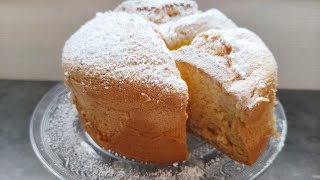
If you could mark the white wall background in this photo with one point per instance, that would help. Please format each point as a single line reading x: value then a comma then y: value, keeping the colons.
x: 32, y: 34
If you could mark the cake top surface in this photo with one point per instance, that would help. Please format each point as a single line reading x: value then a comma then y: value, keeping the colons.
x: 159, y: 11
x: 237, y: 58
x: 186, y: 28
x: 122, y: 47
x: 212, y: 17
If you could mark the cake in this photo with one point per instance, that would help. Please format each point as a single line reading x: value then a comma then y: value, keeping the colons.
x: 148, y: 72
x: 126, y: 87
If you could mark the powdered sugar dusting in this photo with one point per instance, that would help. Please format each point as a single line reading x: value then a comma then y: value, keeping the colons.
x: 159, y: 11
x: 241, y: 61
x: 124, y: 48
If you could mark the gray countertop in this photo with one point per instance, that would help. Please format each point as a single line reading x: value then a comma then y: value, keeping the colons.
x: 299, y: 159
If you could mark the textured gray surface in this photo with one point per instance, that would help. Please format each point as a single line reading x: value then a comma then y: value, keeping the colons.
x: 17, y: 101
x: 300, y: 158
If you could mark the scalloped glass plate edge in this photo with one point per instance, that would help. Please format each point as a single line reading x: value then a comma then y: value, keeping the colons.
x: 37, y: 114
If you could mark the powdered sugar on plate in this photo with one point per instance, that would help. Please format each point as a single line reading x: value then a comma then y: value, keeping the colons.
x: 66, y: 139
x: 59, y: 139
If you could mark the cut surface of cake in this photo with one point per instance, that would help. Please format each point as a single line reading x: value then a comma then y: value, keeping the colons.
x: 231, y: 77
x: 127, y: 89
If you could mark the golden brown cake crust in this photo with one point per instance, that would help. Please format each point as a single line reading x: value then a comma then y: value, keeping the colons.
x: 130, y: 123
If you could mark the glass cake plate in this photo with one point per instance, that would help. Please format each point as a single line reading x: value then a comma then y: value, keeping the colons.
x: 69, y: 153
